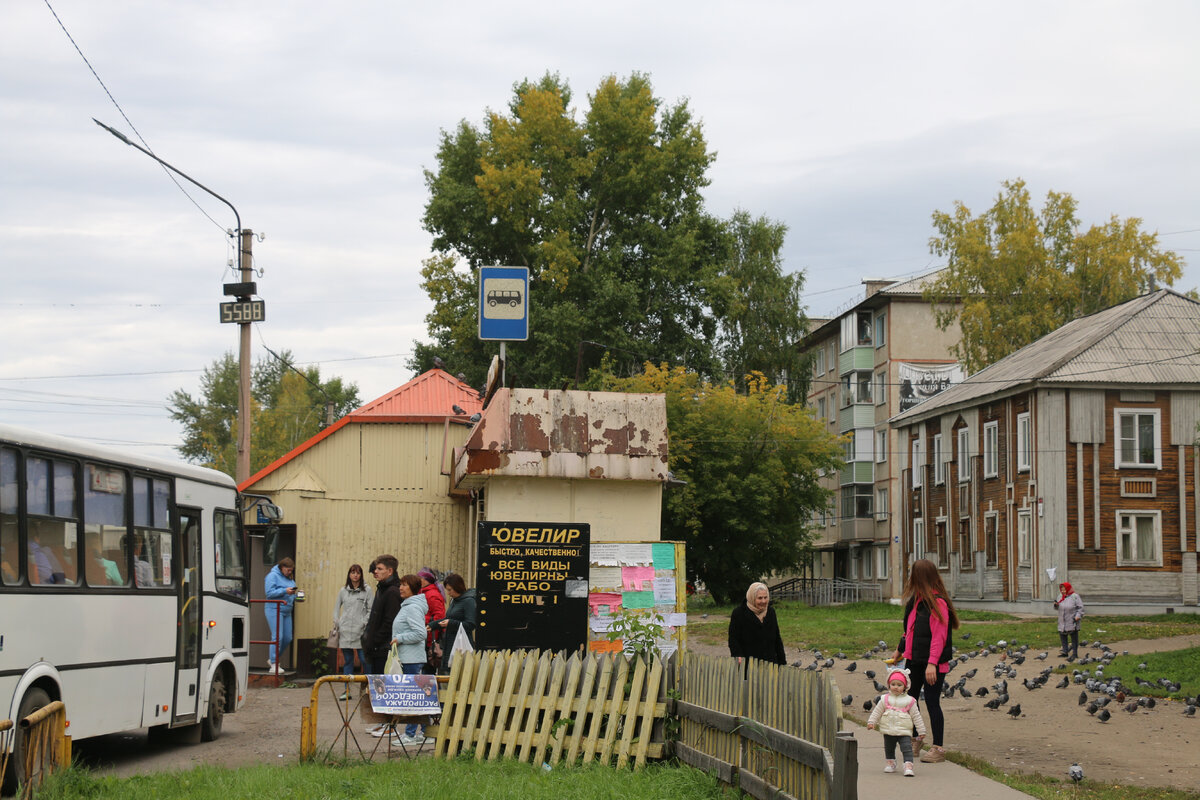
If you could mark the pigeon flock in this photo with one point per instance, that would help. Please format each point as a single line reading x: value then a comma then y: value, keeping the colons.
x: 1002, y: 660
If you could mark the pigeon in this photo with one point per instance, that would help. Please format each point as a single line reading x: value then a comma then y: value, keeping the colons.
x: 1082, y: 698
x: 868, y: 706
x: 994, y: 704
x: 1076, y: 772
x: 1043, y: 656
x: 828, y: 663
x: 1147, y: 702
x: 1104, y: 715
x: 1003, y: 698
x: 962, y: 690
x: 1190, y: 711
x: 1132, y: 707
x: 852, y: 666
x: 879, y: 687
x: 1015, y: 711
x: 1064, y: 683
x: 1092, y: 707
x: 870, y: 673
x: 1031, y: 685
x: 981, y: 691
x: 848, y: 699
x: 970, y: 673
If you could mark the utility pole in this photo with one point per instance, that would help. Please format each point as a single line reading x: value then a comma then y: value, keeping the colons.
x: 244, y: 409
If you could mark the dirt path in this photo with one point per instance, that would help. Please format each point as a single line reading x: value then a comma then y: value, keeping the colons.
x: 1149, y: 748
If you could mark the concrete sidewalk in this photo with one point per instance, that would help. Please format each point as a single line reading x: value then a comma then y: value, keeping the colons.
x: 931, y: 780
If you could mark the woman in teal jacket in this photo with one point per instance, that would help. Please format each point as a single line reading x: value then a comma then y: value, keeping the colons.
x: 408, y: 635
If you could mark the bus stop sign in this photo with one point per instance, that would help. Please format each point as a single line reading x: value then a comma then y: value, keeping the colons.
x: 504, y: 304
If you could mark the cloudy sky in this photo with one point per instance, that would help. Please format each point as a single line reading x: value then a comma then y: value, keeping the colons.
x: 849, y: 122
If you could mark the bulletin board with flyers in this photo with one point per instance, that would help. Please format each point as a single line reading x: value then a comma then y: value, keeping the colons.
x: 647, y: 578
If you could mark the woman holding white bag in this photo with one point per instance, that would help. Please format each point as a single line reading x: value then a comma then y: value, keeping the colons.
x: 462, y: 615
x: 408, y: 638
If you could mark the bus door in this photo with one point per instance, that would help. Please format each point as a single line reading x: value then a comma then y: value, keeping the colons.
x: 187, y: 644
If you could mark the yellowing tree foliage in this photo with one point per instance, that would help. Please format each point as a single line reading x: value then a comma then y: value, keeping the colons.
x: 1014, y: 274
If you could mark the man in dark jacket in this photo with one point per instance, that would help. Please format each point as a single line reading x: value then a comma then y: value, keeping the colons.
x: 378, y: 633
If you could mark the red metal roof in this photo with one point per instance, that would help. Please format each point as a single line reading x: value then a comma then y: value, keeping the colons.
x: 429, y: 397
x: 430, y: 394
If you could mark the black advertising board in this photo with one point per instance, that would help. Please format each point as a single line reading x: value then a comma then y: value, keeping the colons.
x: 532, y: 585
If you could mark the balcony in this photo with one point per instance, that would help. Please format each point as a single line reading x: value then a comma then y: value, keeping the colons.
x: 856, y: 529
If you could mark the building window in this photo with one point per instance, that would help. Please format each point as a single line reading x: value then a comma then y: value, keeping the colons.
x: 868, y: 559
x: 964, y: 454
x: 991, y: 532
x: 857, y: 501
x: 880, y: 387
x: 941, y: 542
x: 1024, y: 537
x: 881, y: 504
x: 916, y: 463
x: 1024, y: 442
x: 831, y: 362
x: 991, y: 448
x: 864, y: 328
x: 819, y: 363
x: 966, y: 548
x: 880, y: 329
x: 1139, y: 538
x: 918, y: 548
x: 820, y: 408
x: 881, y: 562
x: 881, y: 446
x: 1137, y: 436
x: 939, y: 464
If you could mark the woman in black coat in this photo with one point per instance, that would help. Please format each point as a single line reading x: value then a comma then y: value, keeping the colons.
x: 753, y: 629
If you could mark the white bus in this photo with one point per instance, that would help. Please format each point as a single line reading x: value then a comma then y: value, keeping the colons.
x: 122, y: 589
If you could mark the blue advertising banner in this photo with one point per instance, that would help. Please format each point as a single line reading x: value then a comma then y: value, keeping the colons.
x: 408, y: 695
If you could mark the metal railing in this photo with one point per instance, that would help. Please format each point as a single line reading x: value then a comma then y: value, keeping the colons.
x: 278, y: 613
x: 827, y: 591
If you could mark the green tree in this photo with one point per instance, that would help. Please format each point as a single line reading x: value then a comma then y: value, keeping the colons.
x: 750, y: 465
x: 606, y: 212
x: 287, y: 406
x: 1014, y: 274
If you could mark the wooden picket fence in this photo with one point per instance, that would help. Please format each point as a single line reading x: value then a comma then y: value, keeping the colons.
x: 773, y: 731
x: 540, y: 707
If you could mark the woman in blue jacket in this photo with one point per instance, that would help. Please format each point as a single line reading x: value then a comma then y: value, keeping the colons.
x: 280, y: 584
x: 408, y: 636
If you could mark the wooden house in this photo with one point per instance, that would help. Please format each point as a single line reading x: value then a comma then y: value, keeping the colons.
x: 1074, y: 458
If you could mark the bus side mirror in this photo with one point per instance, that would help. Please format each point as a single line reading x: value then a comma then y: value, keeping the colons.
x: 270, y: 545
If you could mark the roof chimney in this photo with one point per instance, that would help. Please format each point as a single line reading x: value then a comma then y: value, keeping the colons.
x: 875, y: 284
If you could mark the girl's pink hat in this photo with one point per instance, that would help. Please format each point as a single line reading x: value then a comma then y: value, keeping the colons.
x: 898, y: 674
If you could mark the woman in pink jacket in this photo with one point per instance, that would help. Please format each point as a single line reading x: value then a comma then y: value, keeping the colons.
x: 926, y: 644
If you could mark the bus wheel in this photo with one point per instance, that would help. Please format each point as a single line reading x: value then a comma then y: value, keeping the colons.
x: 210, y: 728
x: 33, y: 700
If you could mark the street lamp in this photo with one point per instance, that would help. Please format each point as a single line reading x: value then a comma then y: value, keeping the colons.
x: 245, y: 266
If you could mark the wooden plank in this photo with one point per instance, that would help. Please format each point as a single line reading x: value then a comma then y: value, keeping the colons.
x: 525, y: 748
x: 512, y: 736
x: 630, y: 713
x: 725, y: 772
x: 588, y: 683
x: 596, y: 720
x: 562, y: 709
x: 478, y: 688
x: 461, y: 678
x: 650, y: 711
x: 504, y: 705
x: 488, y: 710
x: 613, y: 712
x: 727, y: 723
x: 755, y: 786
x: 549, y: 706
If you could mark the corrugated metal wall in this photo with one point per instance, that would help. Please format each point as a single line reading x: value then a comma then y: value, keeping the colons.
x: 383, y: 492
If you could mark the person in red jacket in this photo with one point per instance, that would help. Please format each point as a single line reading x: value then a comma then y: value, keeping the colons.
x: 437, y: 610
x: 928, y: 619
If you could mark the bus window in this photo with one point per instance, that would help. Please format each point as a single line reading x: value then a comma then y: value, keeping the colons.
x: 102, y: 567
x: 152, y: 532
x: 53, y: 545
x: 231, y: 561
x: 10, y: 551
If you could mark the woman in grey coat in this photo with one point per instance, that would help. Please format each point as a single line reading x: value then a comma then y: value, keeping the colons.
x: 1070, y: 615
x: 350, y: 615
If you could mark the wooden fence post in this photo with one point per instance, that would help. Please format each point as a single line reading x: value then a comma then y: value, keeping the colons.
x: 845, y: 767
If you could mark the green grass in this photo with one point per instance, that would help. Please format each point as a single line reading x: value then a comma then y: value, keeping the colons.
x: 421, y: 778
x: 1181, y: 666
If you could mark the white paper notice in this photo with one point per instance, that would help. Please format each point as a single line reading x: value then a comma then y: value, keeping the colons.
x: 605, y: 578
x: 635, y: 555
x: 664, y: 591
x: 675, y: 620
x: 600, y: 624
x: 605, y: 555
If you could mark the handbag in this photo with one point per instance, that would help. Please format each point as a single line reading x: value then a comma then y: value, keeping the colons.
x: 393, y: 666
x: 333, y: 641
